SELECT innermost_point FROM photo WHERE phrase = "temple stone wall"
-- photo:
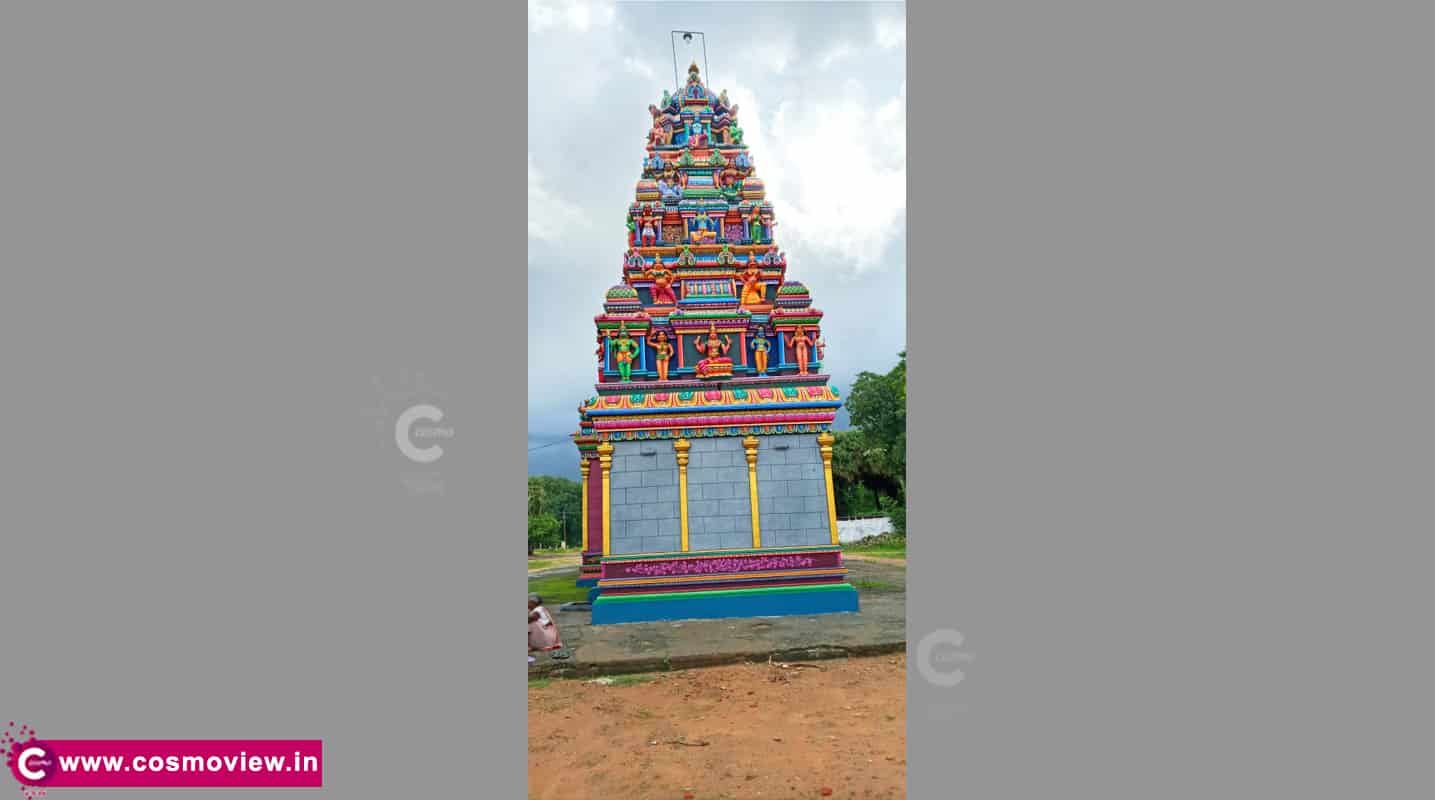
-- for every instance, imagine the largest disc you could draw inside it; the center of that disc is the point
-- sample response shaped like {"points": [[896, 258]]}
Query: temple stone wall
{"points": [[644, 502], [719, 505], [791, 491], [792, 495]]}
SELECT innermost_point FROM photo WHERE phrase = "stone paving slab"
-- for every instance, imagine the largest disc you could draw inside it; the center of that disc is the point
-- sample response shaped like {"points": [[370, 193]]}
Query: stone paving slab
{"points": [[880, 627]]}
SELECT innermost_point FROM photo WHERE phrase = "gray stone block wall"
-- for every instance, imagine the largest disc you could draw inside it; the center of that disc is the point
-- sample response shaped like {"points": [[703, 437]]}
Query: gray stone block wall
{"points": [[791, 491], [719, 506], [644, 498], [792, 495]]}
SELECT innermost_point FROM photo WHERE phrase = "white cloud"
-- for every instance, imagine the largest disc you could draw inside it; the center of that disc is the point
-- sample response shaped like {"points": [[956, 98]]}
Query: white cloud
{"points": [[637, 67], [840, 52], [835, 170], [891, 32], [574, 15], [549, 215]]}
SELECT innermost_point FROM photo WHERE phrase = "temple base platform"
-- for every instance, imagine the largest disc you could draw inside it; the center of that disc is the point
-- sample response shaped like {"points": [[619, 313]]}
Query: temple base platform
{"points": [[772, 601], [767, 582]]}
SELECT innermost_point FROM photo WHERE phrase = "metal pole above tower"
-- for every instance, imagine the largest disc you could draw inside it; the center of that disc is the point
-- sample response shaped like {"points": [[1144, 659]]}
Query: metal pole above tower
{"points": [[687, 39]]}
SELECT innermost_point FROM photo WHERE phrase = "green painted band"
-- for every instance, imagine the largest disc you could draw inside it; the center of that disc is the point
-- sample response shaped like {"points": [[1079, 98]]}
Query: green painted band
{"points": [[641, 598]]}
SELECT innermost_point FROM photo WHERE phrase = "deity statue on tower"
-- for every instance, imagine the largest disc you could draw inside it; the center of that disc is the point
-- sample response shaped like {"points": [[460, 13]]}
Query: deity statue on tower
{"points": [[754, 224], [716, 363], [624, 348], [663, 349], [802, 345], [650, 231], [662, 279], [760, 345], [702, 232], [751, 279]]}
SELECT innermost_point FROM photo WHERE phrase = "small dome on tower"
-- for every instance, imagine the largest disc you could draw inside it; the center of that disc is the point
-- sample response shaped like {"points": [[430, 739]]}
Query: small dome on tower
{"points": [[622, 298], [753, 188], [647, 191], [792, 294]]}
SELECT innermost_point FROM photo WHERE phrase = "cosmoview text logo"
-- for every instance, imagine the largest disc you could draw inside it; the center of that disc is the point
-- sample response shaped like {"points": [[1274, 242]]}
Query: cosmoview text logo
{"points": [[407, 430]]}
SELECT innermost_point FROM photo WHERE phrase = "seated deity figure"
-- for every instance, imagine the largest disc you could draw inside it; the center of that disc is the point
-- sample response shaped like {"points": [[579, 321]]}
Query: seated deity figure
{"points": [[702, 232], [750, 276], [716, 363], [670, 192]]}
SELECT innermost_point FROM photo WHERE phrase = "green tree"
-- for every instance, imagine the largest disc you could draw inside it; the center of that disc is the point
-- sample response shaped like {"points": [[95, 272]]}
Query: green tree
{"points": [[561, 499], [543, 532], [870, 460], [877, 406]]}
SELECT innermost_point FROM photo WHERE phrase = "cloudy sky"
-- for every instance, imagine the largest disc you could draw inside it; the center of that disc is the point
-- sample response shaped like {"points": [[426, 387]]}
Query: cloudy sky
{"points": [[823, 107]]}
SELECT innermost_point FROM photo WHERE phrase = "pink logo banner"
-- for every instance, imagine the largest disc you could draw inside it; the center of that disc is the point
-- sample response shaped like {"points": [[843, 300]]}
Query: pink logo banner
{"points": [[167, 763]]}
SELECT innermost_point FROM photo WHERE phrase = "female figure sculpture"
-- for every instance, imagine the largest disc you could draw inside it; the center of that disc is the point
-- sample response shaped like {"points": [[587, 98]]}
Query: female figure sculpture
{"points": [[760, 346], [751, 279], [716, 362], [802, 345], [662, 279], [754, 224], [624, 348], [663, 350]]}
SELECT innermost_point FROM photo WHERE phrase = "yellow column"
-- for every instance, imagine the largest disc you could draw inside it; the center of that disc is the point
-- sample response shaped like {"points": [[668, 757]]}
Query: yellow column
{"points": [[681, 446], [824, 441], [583, 467], [605, 463], [750, 446]]}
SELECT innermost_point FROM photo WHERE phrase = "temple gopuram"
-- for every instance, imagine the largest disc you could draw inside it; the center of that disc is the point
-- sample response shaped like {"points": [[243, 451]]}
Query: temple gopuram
{"points": [[706, 452]]}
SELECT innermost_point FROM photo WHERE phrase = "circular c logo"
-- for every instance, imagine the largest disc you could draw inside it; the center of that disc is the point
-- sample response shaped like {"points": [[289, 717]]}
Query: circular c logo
{"points": [[34, 763], [927, 663], [403, 433]]}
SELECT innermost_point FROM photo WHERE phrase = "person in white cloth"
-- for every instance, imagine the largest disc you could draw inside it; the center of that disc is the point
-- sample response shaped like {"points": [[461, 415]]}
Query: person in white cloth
{"points": [[542, 630]]}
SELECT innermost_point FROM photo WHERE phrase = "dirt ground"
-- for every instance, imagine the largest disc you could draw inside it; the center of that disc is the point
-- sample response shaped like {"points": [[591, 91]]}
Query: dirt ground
{"points": [[745, 731]]}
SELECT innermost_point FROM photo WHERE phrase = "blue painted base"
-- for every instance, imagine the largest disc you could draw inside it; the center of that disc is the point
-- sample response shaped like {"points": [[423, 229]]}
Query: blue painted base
{"points": [[593, 594], [712, 605], [587, 581]]}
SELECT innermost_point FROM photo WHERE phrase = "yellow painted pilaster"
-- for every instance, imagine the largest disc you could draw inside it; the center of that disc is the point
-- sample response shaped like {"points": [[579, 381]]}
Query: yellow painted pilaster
{"points": [[605, 463], [681, 447], [749, 445], [824, 442]]}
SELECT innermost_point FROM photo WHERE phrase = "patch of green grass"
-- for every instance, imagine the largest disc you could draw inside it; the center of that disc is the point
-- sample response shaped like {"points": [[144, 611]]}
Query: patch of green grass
{"points": [[536, 564], [875, 586], [539, 683], [557, 589], [884, 546], [632, 680]]}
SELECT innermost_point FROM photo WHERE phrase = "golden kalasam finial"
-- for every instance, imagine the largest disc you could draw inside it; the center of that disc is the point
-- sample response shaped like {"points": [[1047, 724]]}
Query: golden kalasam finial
{"points": [[693, 69]]}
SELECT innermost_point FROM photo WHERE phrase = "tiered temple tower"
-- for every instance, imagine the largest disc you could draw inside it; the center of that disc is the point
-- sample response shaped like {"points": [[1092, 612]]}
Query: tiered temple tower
{"points": [[707, 452]]}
